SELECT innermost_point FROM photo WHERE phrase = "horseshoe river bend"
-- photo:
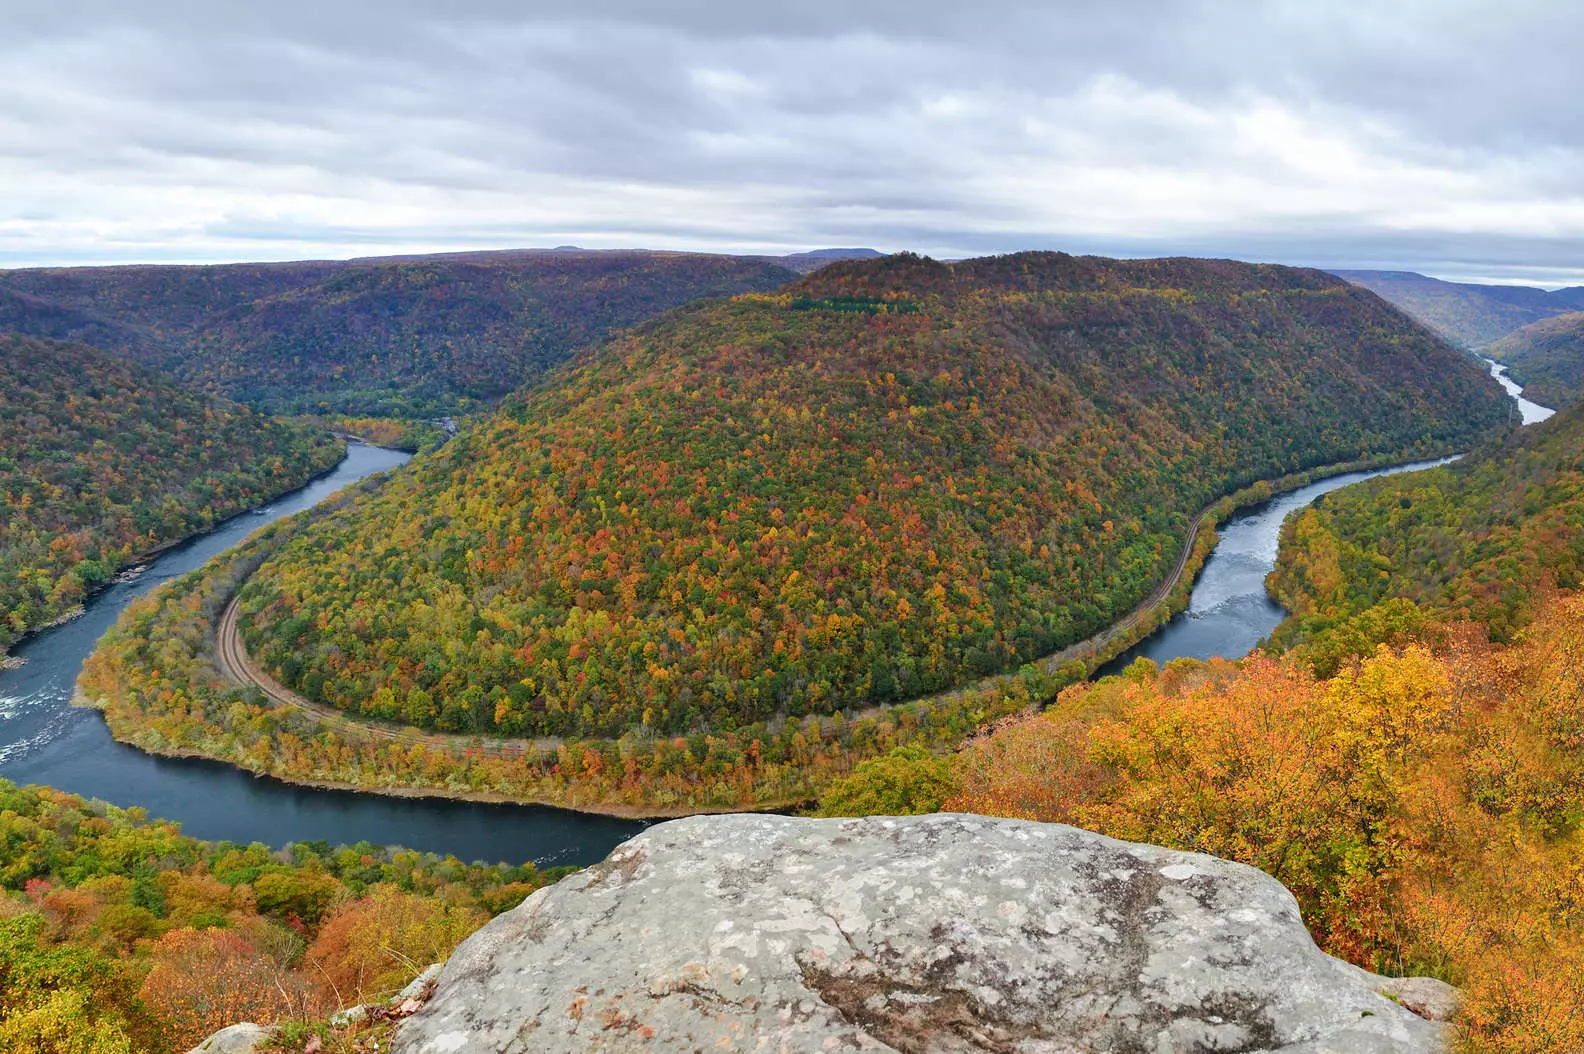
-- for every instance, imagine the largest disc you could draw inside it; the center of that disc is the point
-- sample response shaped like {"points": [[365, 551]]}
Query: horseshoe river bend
{"points": [[44, 739]]}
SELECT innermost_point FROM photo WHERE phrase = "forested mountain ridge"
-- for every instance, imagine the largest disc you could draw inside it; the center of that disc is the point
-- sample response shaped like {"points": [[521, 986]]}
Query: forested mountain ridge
{"points": [[405, 337], [1467, 314], [889, 478], [101, 459], [1478, 539], [1547, 358]]}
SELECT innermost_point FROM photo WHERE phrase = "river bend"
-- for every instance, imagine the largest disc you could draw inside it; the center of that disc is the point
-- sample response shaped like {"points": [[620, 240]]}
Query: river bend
{"points": [[43, 739]]}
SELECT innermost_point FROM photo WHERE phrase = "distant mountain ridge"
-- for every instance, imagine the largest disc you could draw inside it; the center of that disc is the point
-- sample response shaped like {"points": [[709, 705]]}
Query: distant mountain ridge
{"points": [[1467, 314], [803, 263], [403, 336]]}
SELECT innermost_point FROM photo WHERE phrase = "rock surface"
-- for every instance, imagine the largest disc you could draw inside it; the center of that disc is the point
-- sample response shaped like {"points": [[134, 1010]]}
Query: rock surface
{"points": [[924, 935], [1429, 998], [238, 1039], [419, 985]]}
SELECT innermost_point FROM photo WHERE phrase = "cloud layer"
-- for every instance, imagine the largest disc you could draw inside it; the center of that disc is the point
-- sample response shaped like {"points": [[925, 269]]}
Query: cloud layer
{"points": [[1439, 135]]}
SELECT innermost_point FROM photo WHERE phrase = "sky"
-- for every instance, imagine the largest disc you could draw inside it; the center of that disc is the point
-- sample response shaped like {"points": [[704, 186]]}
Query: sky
{"points": [[1441, 136]]}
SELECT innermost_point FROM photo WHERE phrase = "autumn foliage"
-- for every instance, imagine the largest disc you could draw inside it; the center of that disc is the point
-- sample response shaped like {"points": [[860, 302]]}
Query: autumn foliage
{"points": [[893, 478], [372, 946], [119, 935], [391, 338], [1478, 539], [1424, 804], [101, 461], [201, 981]]}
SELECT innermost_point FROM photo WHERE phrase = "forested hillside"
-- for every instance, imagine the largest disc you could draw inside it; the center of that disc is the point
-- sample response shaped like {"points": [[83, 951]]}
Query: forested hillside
{"points": [[1547, 358], [395, 338], [101, 460], [1480, 538], [1467, 314], [118, 934], [1425, 804], [890, 478]]}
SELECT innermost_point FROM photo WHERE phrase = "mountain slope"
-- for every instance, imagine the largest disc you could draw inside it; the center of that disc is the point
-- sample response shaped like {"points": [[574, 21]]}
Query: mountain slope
{"points": [[1467, 314], [1476, 539], [404, 337], [101, 460], [1547, 358], [813, 260], [891, 477]]}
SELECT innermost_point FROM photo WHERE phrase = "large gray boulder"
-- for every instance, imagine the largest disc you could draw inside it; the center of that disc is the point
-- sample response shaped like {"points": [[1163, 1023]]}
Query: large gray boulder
{"points": [[246, 1038], [927, 934]]}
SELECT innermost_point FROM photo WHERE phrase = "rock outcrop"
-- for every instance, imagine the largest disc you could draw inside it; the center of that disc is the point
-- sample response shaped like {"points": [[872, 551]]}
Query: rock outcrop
{"points": [[246, 1038], [924, 935]]}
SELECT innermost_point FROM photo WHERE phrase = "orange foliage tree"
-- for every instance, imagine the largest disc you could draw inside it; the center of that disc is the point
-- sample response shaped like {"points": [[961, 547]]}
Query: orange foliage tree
{"points": [[1424, 805], [204, 980], [374, 945]]}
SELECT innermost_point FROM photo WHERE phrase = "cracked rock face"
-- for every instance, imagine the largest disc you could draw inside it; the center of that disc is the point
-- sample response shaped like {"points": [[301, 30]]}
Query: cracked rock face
{"points": [[924, 935]]}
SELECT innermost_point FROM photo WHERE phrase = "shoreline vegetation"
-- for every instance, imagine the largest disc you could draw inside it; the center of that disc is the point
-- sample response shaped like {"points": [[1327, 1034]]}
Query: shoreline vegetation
{"points": [[138, 561], [104, 462], [158, 679]]}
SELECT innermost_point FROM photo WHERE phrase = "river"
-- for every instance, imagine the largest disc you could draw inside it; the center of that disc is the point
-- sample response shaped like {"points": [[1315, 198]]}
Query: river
{"points": [[44, 739], [1229, 612], [1530, 412]]}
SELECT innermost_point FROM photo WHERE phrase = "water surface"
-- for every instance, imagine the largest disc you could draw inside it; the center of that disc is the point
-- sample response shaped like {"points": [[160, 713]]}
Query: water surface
{"points": [[1229, 612], [1531, 412], [44, 739]]}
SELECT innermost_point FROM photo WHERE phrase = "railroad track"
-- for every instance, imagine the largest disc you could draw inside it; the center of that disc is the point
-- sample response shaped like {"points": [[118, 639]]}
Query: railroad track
{"points": [[1095, 643], [236, 664]]}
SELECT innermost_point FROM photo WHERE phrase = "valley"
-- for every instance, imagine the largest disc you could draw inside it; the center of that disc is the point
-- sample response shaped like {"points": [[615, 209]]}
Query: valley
{"points": [[179, 673], [1547, 357], [413, 337], [791, 701], [823, 528], [1468, 315], [46, 740]]}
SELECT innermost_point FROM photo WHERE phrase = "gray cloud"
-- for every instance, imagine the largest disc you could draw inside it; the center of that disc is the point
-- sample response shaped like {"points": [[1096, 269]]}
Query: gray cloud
{"points": [[1442, 135]]}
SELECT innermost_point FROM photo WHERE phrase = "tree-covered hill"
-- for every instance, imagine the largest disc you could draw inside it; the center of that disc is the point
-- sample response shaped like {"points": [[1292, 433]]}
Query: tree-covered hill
{"points": [[1479, 539], [403, 337], [119, 934], [101, 460], [1547, 358], [1467, 314], [892, 477]]}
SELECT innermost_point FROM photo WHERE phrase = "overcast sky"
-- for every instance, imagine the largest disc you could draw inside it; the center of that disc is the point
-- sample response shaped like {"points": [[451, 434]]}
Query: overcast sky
{"points": [[1441, 136]]}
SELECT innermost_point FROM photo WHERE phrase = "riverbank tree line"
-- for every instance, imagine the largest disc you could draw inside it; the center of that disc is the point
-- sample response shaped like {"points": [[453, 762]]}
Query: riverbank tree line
{"points": [[101, 461]]}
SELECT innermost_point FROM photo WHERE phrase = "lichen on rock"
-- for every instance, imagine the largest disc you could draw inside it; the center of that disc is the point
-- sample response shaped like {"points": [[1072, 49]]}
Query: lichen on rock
{"points": [[923, 935]]}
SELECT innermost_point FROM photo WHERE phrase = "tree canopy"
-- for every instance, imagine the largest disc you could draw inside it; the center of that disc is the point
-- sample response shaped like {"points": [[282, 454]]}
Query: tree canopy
{"points": [[891, 478], [101, 460]]}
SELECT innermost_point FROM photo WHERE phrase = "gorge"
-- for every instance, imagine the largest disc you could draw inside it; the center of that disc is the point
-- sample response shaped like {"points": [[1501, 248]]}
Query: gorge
{"points": [[45, 740]]}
